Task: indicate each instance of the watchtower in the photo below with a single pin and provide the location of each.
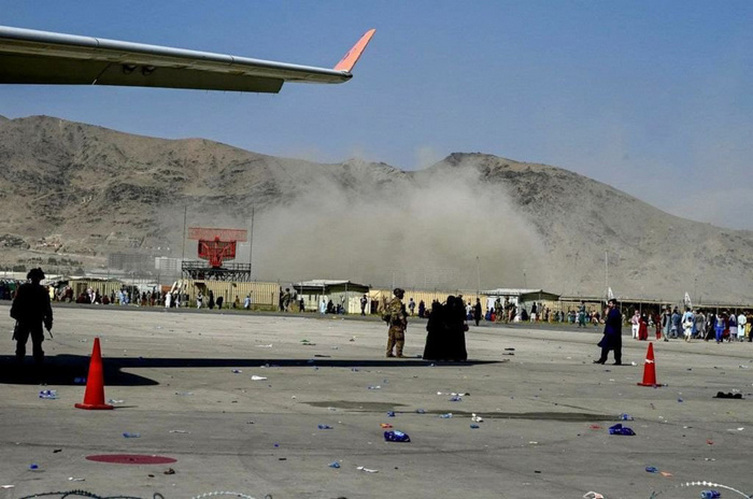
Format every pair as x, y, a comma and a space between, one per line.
215, 248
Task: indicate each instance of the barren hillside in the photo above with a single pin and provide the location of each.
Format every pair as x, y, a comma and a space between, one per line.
74, 193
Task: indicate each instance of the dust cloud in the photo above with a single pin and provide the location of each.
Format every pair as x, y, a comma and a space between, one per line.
428, 229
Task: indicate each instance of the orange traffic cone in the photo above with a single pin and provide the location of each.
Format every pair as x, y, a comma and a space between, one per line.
649, 368
94, 398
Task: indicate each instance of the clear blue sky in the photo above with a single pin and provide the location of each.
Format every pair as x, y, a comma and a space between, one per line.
651, 97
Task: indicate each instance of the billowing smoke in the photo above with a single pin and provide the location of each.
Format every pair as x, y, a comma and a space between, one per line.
436, 229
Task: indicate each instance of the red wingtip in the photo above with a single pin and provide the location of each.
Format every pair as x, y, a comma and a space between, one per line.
351, 57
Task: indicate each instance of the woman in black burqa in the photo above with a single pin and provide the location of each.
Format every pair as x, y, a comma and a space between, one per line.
445, 339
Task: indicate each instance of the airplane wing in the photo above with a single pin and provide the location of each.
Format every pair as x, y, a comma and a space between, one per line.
41, 57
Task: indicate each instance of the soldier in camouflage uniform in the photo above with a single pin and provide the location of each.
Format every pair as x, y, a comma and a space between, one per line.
398, 322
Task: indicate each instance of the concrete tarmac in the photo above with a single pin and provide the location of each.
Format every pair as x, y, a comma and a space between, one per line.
184, 381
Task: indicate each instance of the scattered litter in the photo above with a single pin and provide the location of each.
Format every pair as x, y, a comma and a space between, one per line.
665, 473
34, 467
735, 429
324, 427
334, 464
354, 369
709, 459
709, 442
474, 426
258, 378
729, 395
385, 425
374, 387
324, 356
169, 471
179, 431
420, 411
128, 434
476, 419
237, 371
510, 349
396, 436
743, 367
367, 470
390, 414
710, 494
446, 416
76, 479
352, 339
533, 442
618, 429
265, 346
592, 495
6, 486
626, 417
184, 394
456, 399
679, 400
115, 402
652, 469
595, 427
48, 394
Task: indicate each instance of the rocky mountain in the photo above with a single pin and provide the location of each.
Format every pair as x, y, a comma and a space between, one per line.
73, 193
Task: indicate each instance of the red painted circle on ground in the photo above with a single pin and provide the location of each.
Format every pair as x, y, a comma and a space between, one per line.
131, 459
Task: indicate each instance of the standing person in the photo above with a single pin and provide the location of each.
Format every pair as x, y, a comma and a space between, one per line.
666, 322
732, 325
220, 301
719, 325
411, 306
301, 305
456, 328
364, 302
699, 325
477, 311
436, 333
211, 300
31, 308
199, 299
582, 314
612, 339
247, 302
323, 306
636, 323
397, 318
285, 301
643, 328
687, 323
421, 309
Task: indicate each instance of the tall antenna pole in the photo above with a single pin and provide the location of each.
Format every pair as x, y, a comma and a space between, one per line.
185, 220
606, 273
478, 278
251, 239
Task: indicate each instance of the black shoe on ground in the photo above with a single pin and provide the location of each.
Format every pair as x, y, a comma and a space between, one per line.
599, 361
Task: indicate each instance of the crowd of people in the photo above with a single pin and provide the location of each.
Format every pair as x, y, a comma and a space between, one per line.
690, 324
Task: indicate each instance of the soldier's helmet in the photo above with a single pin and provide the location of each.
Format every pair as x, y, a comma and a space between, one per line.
399, 292
35, 275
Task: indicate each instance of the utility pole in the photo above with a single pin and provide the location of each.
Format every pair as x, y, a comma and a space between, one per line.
251, 240
185, 220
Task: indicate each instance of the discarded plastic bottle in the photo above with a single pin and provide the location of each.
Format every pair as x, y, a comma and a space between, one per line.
390, 414
48, 394
618, 429
396, 436
652, 469
324, 427
475, 426
420, 411
34, 467
456, 398
128, 434
446, 416
626, 417
334, 464
710, 494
